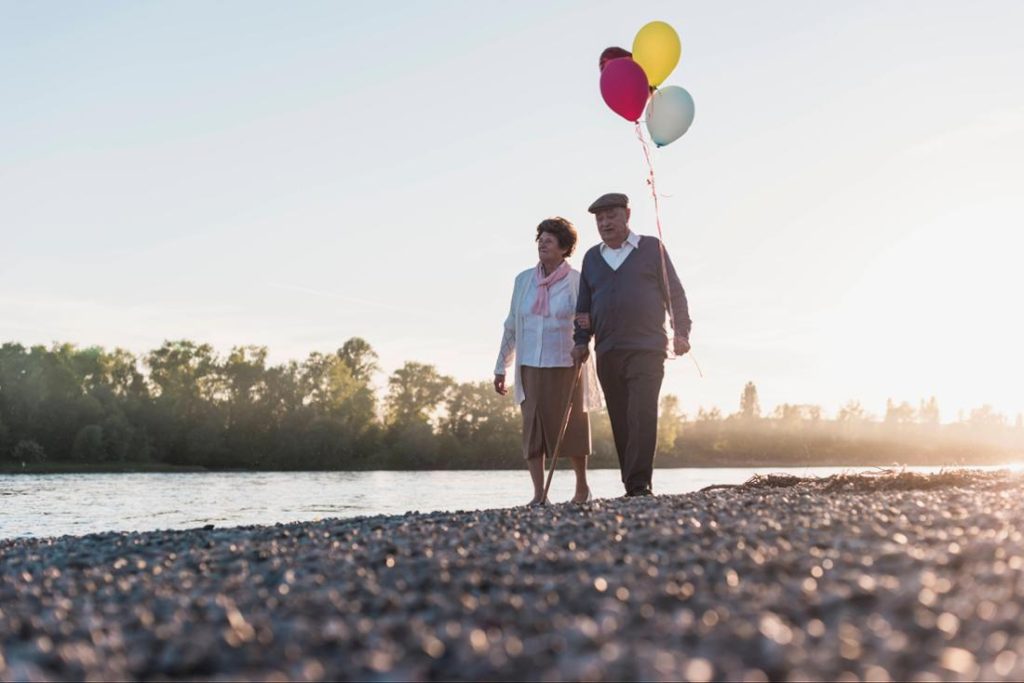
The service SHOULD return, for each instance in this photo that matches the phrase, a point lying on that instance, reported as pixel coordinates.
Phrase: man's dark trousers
(631, 381)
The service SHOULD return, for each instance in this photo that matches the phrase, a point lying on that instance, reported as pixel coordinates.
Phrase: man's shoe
(642, 491)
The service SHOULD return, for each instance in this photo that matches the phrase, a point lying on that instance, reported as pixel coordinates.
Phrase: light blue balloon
(669, 114)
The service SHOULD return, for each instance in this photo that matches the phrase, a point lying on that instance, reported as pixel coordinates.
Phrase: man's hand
(681, 345)
(499, 384)
(580, 354)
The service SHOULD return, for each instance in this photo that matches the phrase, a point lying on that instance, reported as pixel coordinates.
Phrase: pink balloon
(624, 88)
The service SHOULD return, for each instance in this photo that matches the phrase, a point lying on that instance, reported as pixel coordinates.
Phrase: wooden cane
(561, 432)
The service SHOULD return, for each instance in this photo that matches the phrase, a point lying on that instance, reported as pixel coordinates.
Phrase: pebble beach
(891, 576)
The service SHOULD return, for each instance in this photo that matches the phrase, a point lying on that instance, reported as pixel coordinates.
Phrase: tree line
(185, 405)
(801, 434)
(182, 404)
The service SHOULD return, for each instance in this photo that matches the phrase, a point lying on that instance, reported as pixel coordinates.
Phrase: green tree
(471, 406)
(22, 390)
(928, 412)
(28, 451)
(184, 418)
(13, 398)
(709, 415)
(89, 446)
(415, 391)
(248, 414)
(986, 418)
(122, 370)
(70, 396)
(120, 440)
(186, 372)
(331, 389)
(853, 412)
(5, 440)
(750, 407)
(670, 423)
(360, 358)
(327, 382)
(244, 373)
(327, 444)
(482, 428)
(412, 444)
(898, 414)
(361, 361)
(284, 391)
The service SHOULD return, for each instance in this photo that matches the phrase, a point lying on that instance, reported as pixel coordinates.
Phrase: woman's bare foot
(537, 500)
(583, 496)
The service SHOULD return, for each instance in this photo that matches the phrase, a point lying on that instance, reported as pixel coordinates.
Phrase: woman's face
(548, 248)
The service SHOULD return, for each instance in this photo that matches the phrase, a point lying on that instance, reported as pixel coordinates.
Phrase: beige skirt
(547, 392)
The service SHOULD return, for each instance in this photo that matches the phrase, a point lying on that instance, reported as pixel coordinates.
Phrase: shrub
(27, 451)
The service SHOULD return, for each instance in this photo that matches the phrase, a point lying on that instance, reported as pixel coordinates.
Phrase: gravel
(887, 577)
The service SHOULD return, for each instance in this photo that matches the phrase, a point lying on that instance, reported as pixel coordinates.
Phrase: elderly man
(622, 301)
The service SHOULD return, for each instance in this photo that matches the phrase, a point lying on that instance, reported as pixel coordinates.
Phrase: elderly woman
(538, 336)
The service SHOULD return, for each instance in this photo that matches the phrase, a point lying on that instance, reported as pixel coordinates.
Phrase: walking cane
(561, 432)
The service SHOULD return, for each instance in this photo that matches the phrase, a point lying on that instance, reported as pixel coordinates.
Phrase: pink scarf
(540, 306)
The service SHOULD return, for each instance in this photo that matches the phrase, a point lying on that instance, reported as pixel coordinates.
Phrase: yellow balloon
(656, 48)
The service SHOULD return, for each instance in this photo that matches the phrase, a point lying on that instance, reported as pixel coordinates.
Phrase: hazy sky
(846, 212)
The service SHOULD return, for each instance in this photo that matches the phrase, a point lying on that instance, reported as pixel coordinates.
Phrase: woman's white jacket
(512, 351)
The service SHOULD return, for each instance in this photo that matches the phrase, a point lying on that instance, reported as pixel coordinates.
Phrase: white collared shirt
(615, 257)
(546, 341)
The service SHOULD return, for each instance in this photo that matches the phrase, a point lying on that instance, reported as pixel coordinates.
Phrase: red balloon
(624, 88)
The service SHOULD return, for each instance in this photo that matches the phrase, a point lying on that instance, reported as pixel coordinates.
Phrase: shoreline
(887, 576)
(100, 468)
(162, 468)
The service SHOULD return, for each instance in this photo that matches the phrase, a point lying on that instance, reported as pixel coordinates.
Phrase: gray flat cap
(607, 201)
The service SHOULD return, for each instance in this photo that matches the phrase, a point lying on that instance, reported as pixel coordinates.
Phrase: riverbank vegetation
(184, 406)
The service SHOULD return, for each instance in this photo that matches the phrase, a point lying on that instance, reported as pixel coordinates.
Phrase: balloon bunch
(629, 82)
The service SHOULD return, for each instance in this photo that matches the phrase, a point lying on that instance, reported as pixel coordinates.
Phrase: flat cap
(607, 201)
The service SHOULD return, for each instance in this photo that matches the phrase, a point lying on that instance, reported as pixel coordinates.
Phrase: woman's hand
(499, 384)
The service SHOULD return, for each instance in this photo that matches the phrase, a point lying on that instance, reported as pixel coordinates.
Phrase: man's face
(613, 225)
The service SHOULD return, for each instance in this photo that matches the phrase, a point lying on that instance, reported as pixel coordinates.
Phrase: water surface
(60, 504)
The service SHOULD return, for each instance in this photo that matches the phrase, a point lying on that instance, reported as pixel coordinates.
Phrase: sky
(845, 213)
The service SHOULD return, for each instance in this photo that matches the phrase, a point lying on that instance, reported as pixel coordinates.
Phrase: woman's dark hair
(563, 231)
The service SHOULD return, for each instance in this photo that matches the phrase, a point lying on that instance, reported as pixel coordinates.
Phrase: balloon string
(661, 240)
(657, 220)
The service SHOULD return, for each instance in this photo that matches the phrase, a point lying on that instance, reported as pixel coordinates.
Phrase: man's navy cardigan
(627, 306)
